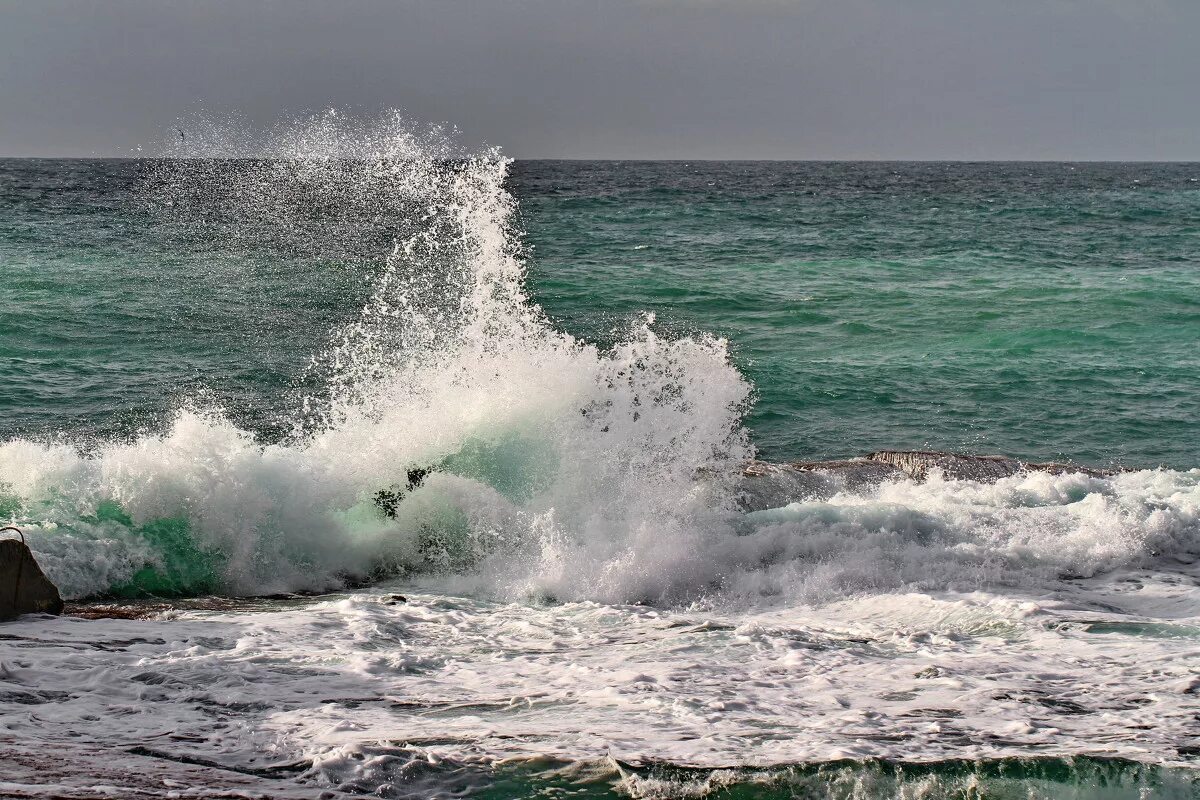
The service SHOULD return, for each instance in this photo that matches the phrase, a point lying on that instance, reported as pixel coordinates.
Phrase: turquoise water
(1041, 310)
(1046, 311)
(314, 372)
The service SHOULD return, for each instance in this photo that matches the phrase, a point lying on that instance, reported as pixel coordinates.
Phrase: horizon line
(640, 159)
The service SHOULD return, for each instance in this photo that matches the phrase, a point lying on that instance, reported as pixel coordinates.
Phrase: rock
(917, 464)
(24, 588)
(772, 485)
(389, 499)
(766, 485)
(148, 608)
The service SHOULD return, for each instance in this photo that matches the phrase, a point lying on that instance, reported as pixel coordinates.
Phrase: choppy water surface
(232, 376)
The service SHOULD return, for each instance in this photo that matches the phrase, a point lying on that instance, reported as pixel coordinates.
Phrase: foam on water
(906, 695)
(560, 470)
(547, 448)
(917, 639)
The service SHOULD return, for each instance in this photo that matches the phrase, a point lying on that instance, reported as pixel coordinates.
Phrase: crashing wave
(557, 469)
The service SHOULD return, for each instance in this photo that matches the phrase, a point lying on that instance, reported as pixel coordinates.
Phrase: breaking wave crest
(460, 438)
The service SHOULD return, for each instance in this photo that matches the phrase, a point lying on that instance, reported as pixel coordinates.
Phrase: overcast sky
(804, 79)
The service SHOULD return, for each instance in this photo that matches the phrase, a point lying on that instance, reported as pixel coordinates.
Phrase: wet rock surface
(151, 607)
(766, 485)
(24, 588)
(918, 463)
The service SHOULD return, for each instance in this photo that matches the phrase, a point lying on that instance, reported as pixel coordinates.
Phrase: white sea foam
(946, 619)
(427, 697)
(561, 470)
(547, 447)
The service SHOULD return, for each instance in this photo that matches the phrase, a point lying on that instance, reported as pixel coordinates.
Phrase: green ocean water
(585, 612)
(1046, 311)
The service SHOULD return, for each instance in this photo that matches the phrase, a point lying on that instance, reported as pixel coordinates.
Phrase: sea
(371, 464)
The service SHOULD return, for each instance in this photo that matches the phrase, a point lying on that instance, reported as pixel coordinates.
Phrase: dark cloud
(1069, 79)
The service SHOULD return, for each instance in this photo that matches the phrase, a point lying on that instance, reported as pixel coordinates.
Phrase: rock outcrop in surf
(24, 588)
(767, 485)
(917, 464)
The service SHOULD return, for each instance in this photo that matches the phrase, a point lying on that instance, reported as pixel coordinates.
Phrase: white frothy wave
(542, 442)
(560, 470)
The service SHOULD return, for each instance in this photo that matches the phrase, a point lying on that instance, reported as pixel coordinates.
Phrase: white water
(555, 455)
(563, 471)
(1042, 614)
(426, 698)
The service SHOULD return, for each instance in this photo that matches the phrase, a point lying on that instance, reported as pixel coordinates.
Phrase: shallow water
(903, 695)
(340, 364)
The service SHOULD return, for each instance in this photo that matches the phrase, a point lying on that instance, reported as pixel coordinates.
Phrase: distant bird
(182, 136)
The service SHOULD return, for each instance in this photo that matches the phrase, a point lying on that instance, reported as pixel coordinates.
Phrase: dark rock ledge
(24, 588)
(767, 485)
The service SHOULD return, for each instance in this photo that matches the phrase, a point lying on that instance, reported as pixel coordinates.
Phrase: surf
(551, 468)
(535, 438)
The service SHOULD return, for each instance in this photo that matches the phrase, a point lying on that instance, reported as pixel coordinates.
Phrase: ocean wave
(548, 468)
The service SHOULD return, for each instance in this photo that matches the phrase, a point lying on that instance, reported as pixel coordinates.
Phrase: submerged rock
(917, 464)
(150, 607)
(24, 588)
(767, 485)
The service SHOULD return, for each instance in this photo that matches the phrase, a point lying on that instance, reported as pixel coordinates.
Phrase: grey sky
(973, 79)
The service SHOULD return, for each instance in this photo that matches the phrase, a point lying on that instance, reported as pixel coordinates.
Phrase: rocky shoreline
(24, 589)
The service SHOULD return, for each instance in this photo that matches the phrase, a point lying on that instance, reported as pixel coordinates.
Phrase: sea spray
(1029, 635)
(546, 451)
(553, 468)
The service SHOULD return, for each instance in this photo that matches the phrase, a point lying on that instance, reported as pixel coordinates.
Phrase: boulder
(24, 588)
